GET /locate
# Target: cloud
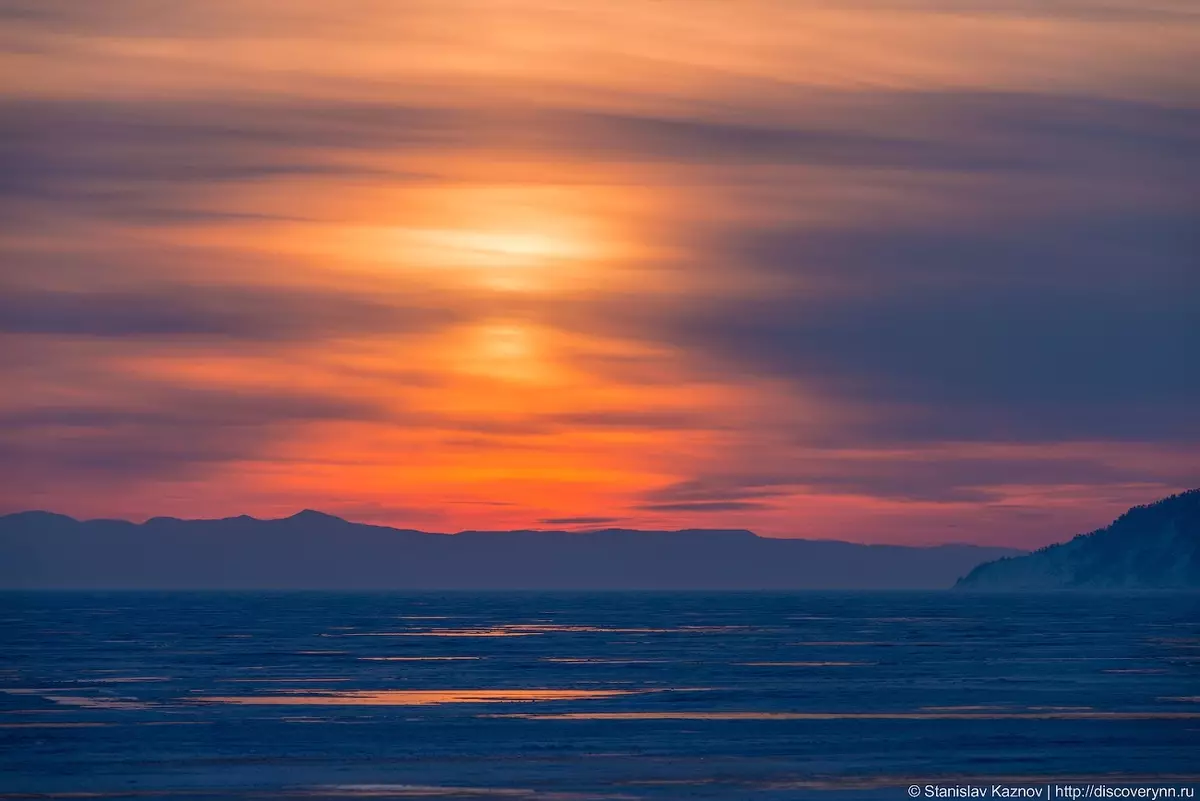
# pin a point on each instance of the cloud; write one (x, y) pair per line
(1049, 353)
(677, 420)
(948, 474)
(137, 159)
(213, 311)
(1054, 302)
(179, 407)
(151, 162)
(728, 487)
(905, 272)
(719, 489)
(578, 521)
(160, 431)
(701, 507)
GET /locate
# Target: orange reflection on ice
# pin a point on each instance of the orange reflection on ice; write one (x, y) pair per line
(412, 697)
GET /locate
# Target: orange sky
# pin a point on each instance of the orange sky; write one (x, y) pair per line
(879, 270)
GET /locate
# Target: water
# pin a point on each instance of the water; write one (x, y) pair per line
(573, 697)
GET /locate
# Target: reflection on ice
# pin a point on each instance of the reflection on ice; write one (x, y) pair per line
(530, 629)
(412, 697)
(805, 664)
(496, 632)
(428, 791)
(418, 658)
(788, 707)
(684, 714)
(282, 681)
(52, 725)
(97, 703)
(842, 643)
(571, 660)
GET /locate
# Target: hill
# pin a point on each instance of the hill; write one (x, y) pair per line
(1156, 546)
(311, 550)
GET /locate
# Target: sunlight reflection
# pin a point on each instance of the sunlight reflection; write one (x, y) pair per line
(413, 697)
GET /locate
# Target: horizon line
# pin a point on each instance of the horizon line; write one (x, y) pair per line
(316, 513)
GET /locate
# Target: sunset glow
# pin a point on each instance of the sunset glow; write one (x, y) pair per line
(878, 271)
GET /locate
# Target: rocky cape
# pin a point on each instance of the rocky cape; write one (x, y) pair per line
(1152, 547)
(311, 550)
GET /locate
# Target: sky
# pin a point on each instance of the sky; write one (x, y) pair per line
(909, 271)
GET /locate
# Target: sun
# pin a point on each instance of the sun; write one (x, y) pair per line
(504, 242)
(515, 245)
(509, 260)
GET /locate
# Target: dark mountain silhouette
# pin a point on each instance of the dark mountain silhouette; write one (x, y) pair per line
(1149, 547)
(317, 551)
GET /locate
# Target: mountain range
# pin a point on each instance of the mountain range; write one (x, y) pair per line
(1156, 546)
(311, 550)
